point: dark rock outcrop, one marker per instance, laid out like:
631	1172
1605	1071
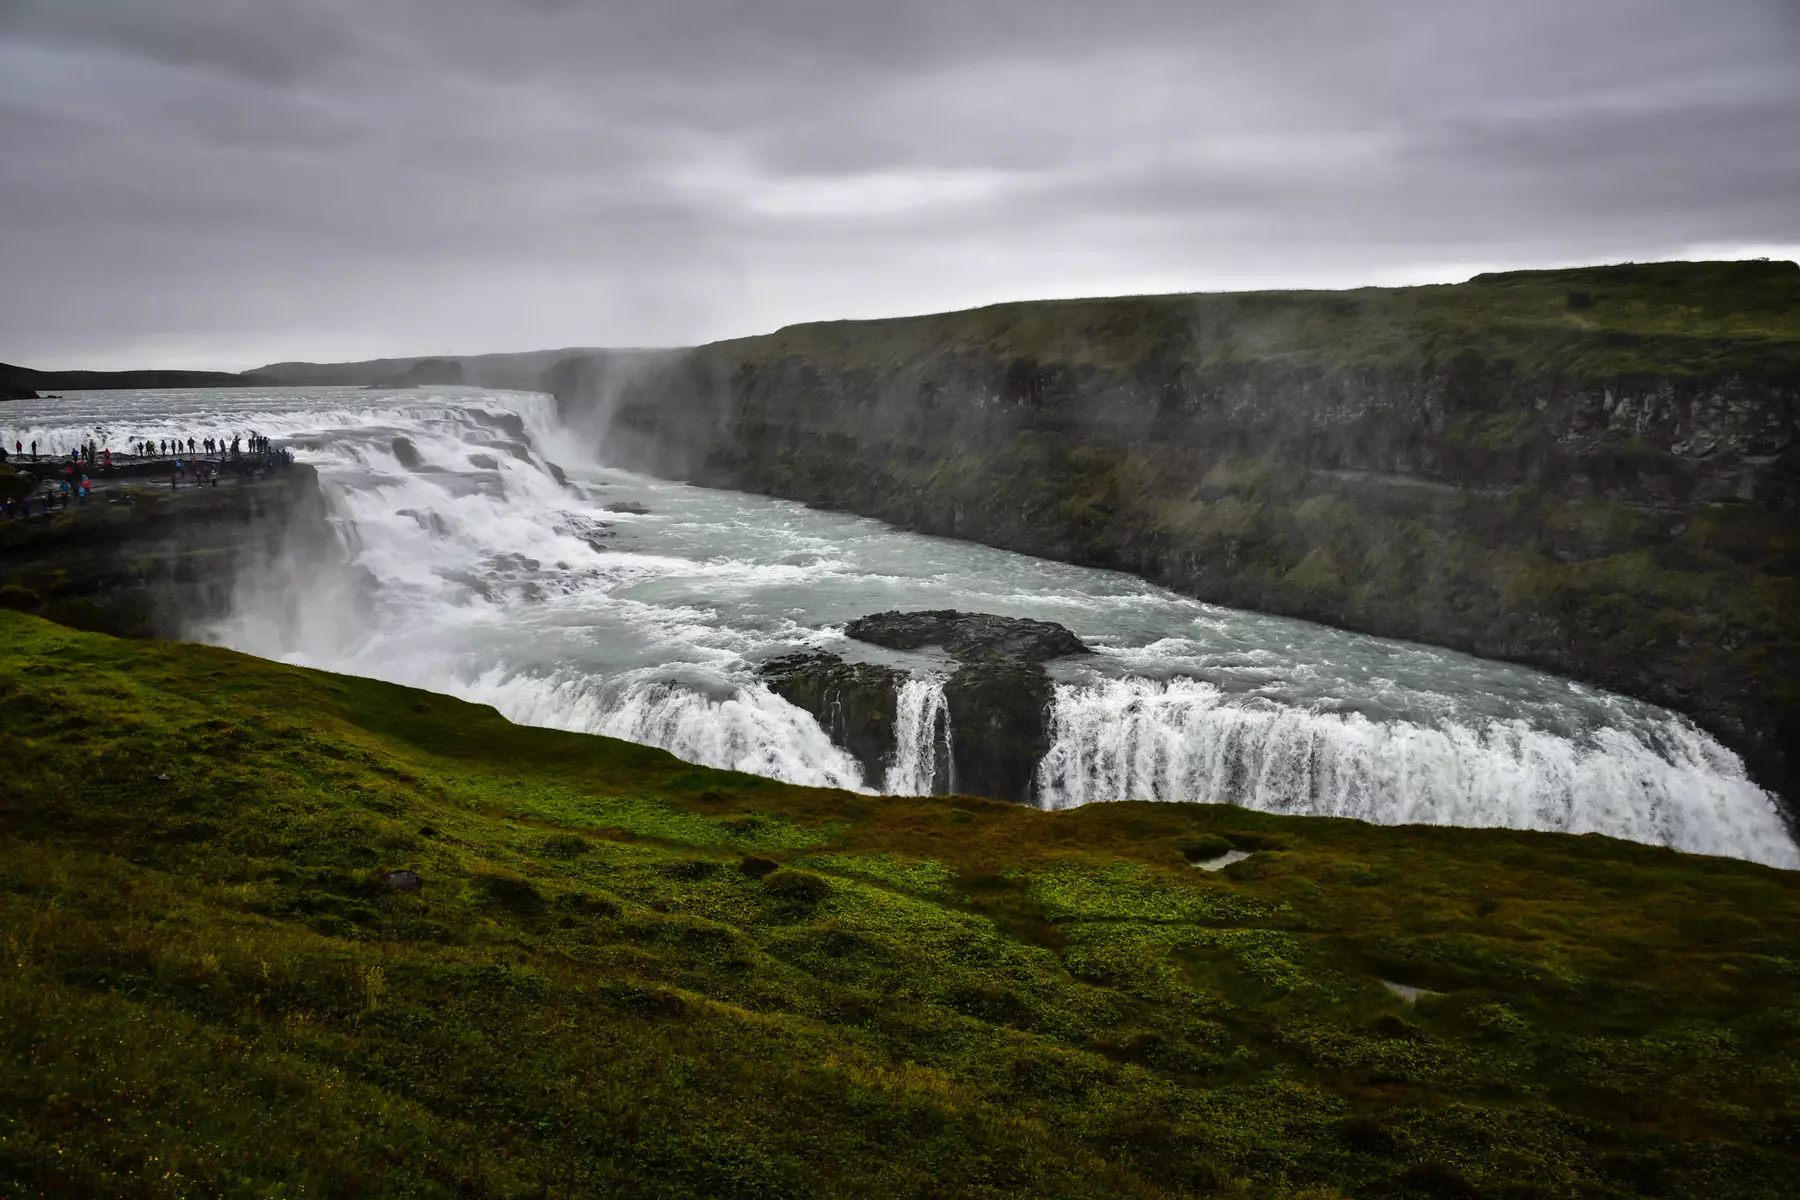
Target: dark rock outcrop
998	697
854	703
968	636
406	453
155	563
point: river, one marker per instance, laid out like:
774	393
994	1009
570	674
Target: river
621	604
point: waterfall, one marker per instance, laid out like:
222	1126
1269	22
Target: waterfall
750	730
493	558
1663	782
921	764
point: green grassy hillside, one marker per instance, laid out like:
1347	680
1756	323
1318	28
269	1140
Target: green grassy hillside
1679	319
624	975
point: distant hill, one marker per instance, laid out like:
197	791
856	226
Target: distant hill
524	370
23	383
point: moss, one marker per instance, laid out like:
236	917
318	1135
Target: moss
209	989
1204	849
1707	320
926	876
1317	572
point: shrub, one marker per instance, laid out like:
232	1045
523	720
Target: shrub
564	845
593	906
512	893
1369	1135
800	889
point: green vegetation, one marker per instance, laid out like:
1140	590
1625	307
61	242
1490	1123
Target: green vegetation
625	975
1706	319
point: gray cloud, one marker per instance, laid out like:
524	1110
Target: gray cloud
230	181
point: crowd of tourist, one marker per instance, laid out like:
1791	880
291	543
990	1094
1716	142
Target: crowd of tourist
61	479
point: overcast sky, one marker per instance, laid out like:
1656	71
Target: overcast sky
227	182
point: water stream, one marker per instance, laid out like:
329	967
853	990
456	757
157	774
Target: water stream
499	584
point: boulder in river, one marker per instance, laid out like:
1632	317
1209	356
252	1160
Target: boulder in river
998	698
855	703
407	453
968	636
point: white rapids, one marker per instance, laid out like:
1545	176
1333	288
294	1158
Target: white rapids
562	605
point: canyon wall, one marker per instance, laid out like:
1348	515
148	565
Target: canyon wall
147	562
1594	471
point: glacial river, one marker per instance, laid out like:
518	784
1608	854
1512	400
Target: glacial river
499	584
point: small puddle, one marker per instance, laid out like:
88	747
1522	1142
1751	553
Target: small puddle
1407	991
1224	860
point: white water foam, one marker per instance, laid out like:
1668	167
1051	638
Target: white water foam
1184	739
495	581
921	765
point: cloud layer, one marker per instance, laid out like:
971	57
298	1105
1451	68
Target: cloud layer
224	182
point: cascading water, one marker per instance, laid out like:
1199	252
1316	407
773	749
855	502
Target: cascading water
921	764
511	568
1183	739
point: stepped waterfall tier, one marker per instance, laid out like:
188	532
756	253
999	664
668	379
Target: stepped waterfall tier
501	561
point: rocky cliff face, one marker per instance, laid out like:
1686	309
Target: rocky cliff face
1597	472
153	563
997	698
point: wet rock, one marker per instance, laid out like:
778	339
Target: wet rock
407	453
998	698
556	473
403	881
429	521
628	506
511	423
486	462
968	636
856	704
999	727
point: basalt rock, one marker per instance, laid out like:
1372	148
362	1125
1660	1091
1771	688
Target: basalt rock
998	697
856	704
407	453
968	637
150	562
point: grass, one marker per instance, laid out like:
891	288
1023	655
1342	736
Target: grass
627	975
1707	319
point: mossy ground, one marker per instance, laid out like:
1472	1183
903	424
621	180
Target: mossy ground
1705	319
625	975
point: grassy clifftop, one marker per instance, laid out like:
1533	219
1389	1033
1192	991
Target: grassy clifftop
626	975
1704	319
